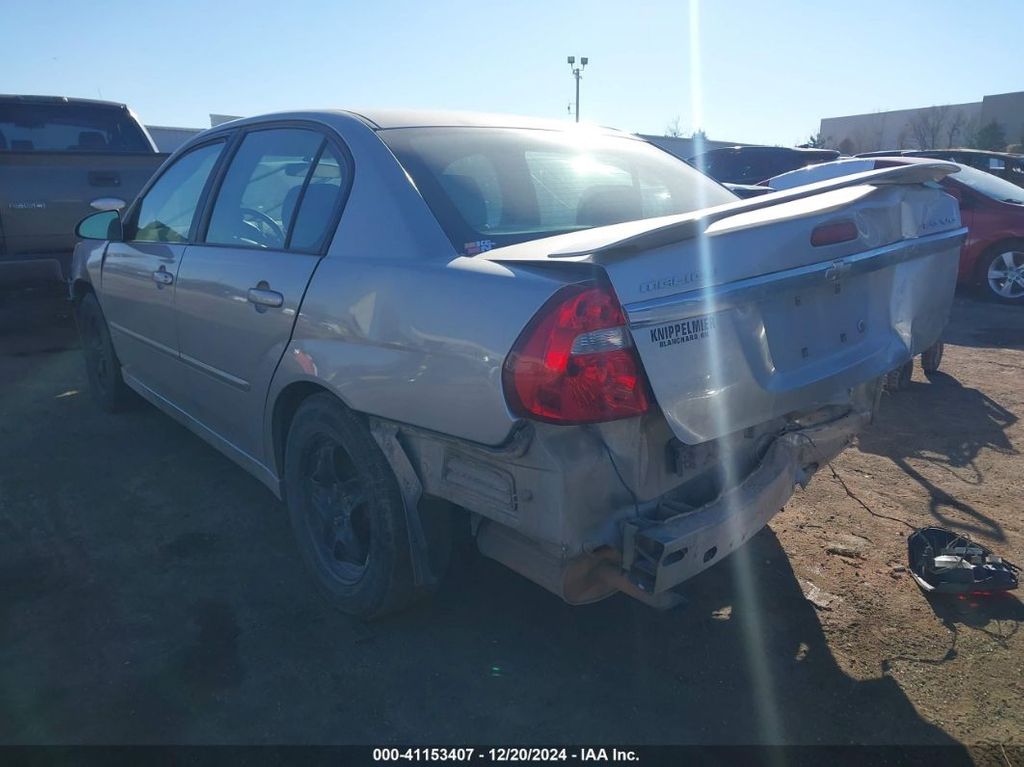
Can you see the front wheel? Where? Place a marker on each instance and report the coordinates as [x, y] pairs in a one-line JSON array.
[[1002, 272], [101, 363], [346, 510]]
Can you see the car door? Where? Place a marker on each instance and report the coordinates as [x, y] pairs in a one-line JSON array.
[[137, 284], [969, 210], [239, 289]]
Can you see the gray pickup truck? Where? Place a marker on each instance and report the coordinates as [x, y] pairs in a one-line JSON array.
[[61, 159]]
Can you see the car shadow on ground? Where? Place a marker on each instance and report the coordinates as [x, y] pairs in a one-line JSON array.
[[36, 320], [946, 424], [150, 593], [134, 612]]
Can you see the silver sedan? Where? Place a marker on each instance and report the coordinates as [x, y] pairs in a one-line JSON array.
[[562, 341]]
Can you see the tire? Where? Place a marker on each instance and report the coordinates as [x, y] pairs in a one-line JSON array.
[[101, 363], [346, 510], [931, 358], [898, 379], [1001, 272]]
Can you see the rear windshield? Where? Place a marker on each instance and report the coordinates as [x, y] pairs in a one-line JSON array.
[[68, 128], [490, 187]]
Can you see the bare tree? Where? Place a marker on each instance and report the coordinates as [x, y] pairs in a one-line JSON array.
[[673, 129], [955, 126], [926, 126]]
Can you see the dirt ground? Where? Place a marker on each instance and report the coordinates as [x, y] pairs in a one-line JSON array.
[[150, 593]]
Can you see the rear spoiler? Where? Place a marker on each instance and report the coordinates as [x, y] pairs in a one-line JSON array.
[[634, 236]]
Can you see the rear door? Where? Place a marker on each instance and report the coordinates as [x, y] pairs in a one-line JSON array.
[[239, 289], [138, 278]]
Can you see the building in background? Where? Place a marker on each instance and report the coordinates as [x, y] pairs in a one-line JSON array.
[[168, 138], [992, 123]]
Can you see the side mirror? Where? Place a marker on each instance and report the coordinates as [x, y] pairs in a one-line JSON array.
[[105, 225]]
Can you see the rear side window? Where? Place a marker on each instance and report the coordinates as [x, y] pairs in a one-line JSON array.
[[319, 202], [29, 127], [260, 193], [167, 210]]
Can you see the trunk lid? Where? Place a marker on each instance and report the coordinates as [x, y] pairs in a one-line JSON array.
[[738, 319]]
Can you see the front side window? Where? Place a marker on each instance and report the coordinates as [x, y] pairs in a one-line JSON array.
[[490, 187], [169, 207], [261, 189]]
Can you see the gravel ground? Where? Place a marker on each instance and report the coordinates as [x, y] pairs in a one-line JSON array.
[[150, 593]]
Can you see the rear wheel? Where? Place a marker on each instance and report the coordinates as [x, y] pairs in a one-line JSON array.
[[101, 363], [346, 509], [1002, 272]]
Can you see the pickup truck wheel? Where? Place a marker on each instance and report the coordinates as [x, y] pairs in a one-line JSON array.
[[931, 358], [1002, 272], [900, 378], [346, 510], [101, 363]]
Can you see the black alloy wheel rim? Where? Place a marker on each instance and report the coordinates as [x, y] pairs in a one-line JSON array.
[[337, 514]]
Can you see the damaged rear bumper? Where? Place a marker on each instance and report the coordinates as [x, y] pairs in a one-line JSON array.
[[660, 554]]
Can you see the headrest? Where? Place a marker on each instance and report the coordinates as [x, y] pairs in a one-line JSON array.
[[608, 204]]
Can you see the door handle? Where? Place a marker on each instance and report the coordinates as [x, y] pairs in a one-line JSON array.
[[107, 203], [162, 277], [264, 297]]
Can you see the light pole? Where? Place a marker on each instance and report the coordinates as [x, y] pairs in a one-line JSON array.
[[577, 72]]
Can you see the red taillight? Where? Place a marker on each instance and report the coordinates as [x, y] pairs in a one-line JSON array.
[[831, 234], [575, 361]]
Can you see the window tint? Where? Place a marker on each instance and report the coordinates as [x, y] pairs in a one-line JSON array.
[[69, 127], [167, 210], [490, 187], [472, 184], [257, 200], [566, 185], [319, 202]]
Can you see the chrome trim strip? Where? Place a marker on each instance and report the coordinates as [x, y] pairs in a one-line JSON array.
[[239, 383], [143, 339], [720, 297]]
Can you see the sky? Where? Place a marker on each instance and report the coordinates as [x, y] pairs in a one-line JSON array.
[[742, 70]]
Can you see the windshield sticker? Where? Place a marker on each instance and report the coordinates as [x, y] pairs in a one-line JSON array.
[[478, 247], [682, 332]]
